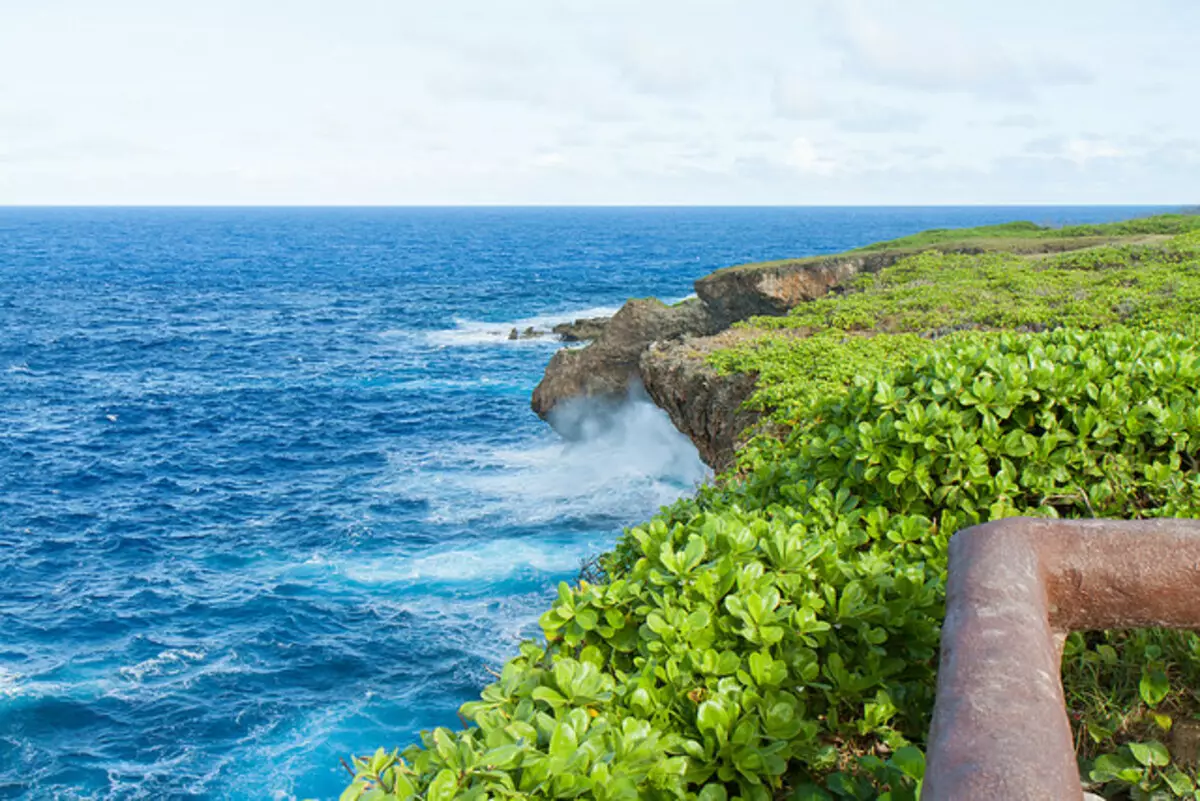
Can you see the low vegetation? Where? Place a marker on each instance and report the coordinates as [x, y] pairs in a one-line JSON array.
[[777, 635], [1018, 235]]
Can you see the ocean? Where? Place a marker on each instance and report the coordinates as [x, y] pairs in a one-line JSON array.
[[271, 493]]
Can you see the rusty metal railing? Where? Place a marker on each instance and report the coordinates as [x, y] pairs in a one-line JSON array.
[[1016, 588]]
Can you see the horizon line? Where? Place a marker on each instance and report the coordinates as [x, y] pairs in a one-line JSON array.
[[1037, 204]]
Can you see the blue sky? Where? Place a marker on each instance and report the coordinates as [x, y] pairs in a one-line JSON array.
[[615, 101]]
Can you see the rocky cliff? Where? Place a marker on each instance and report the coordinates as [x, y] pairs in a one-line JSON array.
[[605, 369], [771, 288], [665, 348]]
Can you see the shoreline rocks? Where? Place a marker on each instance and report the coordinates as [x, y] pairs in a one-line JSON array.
[[584, 329], [664, 348], [607, 367]]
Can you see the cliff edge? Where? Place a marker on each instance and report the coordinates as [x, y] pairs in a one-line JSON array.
[[667, 349]]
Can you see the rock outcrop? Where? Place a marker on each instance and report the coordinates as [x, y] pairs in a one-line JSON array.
[[606, 368], [703, 404], [762, 290], [582, 330], [664, 348]]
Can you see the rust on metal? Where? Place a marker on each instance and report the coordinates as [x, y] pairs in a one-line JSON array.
[[1016, 588]]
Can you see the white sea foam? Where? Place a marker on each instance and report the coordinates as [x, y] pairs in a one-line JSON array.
[[468, 333], [629, 461], [16, 685], [472, 332], [492, 560], [10, 683], [168, 662]]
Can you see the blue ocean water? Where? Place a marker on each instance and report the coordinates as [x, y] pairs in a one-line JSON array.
[[270, 489]]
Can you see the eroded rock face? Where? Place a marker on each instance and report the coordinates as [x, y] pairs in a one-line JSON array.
[[665, 348], [703, 405], [583, 330], [737, 293], [605, 368]]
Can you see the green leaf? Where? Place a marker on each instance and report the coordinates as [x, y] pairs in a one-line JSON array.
[[1153, 686], [563, 742], [444, 787], [1150, 754], [711, 716], [404, 788], [1180, 783], [355, 790], [548, 695], [503, 756], [1108, 767], [444, 745], [910, 760], [587, 618]]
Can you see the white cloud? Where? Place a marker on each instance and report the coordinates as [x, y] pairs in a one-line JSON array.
[[656, 67], [597, 101], [932, 53], [1025, 120], [804, 157], [795, 98], [1078, 150], [1081, 151], [549, 160]]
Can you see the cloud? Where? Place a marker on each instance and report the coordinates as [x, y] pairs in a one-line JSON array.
[[548, 160], [804, 157], [793, 98], [920, 152], [864, 118], [1017, 121], [99, 148], [653, 66], [933, 55], [1078, 150], [1081, 151], [1044, 145]]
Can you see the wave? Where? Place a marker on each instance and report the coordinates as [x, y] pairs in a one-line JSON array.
[[169, 662], [467, 333], [490, 561], [630, 461], [474, 332], [15, 685]]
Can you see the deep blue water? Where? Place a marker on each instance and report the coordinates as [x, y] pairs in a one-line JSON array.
[[270, 489]]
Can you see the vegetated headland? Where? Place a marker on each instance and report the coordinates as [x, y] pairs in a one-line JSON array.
[[776, 636]]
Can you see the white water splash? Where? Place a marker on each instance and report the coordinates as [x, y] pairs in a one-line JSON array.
[[473, 332], [628, 462], [467, 333]]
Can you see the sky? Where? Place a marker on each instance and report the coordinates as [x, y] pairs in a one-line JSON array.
[[733, 102]]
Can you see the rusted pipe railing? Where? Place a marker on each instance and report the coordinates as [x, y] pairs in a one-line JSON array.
[[1016, 588]]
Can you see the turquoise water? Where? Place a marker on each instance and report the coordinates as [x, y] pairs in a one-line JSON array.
[[270, 489]]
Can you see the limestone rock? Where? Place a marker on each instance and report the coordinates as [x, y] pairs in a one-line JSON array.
[[606, 368], [736, 293], [582, 330], [703, 405]]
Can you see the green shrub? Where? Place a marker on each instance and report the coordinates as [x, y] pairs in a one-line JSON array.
[[1157, 225], [884, 319], [777, 636]]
